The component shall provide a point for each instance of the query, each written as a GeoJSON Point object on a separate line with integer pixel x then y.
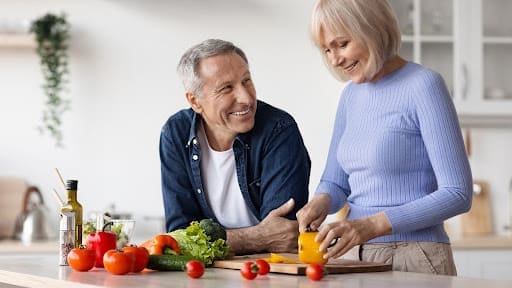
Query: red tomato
{"type": "Point", "coordinates": [141, 257]}
{"type": "Point", "coordinates": [249, 270]}
{"type": "Point", "coordinates": [315, 271]}
{"type": "Point", "coordinates": [81, 259]}
{"type": "Point", "coordinates": [263, 266]}
{"type": "Point", "coordinates": [194, 268]}
{"type": "Point", "coordinates": [118, 262]}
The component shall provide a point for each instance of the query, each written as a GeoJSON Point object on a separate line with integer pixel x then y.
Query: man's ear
{"type": "Point", "coordinates": [193, 102]}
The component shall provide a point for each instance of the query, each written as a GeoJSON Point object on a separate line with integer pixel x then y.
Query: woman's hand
{"type": "Point", "coordinates": [352, 233]}
{"type": "Point", "coordinates": [314, 212]}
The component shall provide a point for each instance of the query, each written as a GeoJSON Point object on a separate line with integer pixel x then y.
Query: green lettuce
{"type": "Point", "coordinates": [194, 242]}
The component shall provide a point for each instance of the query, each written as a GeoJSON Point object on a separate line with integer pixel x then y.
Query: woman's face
{"type": "Point", "coordinates": [345, 55]}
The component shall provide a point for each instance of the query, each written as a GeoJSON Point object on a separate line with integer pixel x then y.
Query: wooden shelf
{"type": "Point", "coordinates": [428, 38]}
{"type": "Point", "coordinates": [17, 41]}
{"type": "Point", "coordinates": [482, 242]}
{"type": "Point", "coordinates": [497, 40]}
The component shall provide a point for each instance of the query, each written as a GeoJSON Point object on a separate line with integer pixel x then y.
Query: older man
{"type": "Point", "coordinates": [230, 157]}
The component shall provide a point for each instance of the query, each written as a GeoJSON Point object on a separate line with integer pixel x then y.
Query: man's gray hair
{"type": "Point", "coordinates": [189, 62]}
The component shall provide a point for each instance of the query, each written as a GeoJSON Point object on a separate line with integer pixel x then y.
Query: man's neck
{"type": "Point", "coordinates": [218, 142]}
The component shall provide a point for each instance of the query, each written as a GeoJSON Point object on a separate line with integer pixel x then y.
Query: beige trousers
{"type": "Point", "coordinates": [421, 257]}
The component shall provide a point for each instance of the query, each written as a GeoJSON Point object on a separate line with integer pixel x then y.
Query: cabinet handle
{"type": "Point", "coordinates": [465, 81]}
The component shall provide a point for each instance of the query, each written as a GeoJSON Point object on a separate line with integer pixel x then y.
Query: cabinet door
{"type": "Point", "coordinates": [483, 62]}
{"type": "Point", "coordinates": [427, 34]}
{"type": "Point", "coordinates": [492, 264]}
{"type": "Point", "coordinates": [469, 42]}
{"type": "Point", "coordinates": [497, 51]}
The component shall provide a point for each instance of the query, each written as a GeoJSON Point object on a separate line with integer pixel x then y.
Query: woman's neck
{"type": "Point", "coordinates": [391, 65]}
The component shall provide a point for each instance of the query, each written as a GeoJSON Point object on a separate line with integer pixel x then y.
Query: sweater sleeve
{"type": "Point", "coordinates": [334, 179]}
{"type": "Point", "coordinates": [442, 137]}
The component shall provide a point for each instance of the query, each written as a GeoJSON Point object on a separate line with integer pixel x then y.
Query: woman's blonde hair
{"type": "Point", "coordinates": [371, 23]}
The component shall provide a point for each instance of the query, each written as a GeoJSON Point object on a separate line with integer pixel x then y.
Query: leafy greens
{"type": "Point", "coordinates": [194, 242]}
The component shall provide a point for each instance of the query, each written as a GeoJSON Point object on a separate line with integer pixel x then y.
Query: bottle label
{"type": "Point", "coordinates": [67, 243]}
{"type": "Point", "coordinates": [66, 236]}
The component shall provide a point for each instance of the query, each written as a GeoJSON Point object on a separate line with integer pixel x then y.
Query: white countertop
{"type": "Point", "coordinates": [42, 270]}
{"type": "Point", "coordinates": [473, 242]}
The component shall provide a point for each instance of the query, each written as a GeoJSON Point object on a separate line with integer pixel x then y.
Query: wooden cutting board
{"type": "Point", "coordinates": [334, 266]}
{"type": "Point", "coordinates": [477, 221]}
{"type": "Point", "coordinates": [12, 191]}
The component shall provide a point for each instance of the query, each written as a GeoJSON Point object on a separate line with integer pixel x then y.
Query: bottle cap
{"type": "Point", "coordinates": [71, 184]}
{"type": "Point", "coordinates": [67, 221]}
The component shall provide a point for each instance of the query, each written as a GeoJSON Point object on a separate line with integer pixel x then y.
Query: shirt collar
{"type": "Point", "coordinates": [242, 138]}
{"type": "Point", "coordinates": [193, 128]}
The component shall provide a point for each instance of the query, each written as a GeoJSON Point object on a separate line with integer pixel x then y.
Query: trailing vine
{"type": "Point", "coordinates": [52, 35]}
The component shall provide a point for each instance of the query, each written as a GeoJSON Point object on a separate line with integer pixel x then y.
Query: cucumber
{"type": "Point", "coordinates": [168, 262]}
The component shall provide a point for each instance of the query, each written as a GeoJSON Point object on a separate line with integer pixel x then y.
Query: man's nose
{"type": "Point", "coordinates": [244, 93]}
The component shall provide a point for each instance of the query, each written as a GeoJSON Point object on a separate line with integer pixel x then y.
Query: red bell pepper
{"type": "Point", "coordinates": [101, 242]}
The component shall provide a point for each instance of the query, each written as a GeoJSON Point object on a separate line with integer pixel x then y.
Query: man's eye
{"type": "Point", "coordinates": [247, 81]}
{"type": "Point", "coordinates": [327, 51]}
{"type": "Point", "coordinates": [226, 89]}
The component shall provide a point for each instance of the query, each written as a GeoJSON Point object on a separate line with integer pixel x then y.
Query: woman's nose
{"type": "Point", "coordinates": [335, 59]}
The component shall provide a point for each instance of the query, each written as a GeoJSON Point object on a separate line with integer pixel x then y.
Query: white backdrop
{"type": "Point", "coordinates": [123, 87]}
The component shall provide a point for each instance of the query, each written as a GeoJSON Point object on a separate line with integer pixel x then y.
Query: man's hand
{"type": "Point", "coordinates": [274, 234]}
{"type": "Point", "coordinates": [280, 233]}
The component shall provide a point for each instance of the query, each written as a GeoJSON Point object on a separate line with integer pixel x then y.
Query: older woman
{"type": "Point", "coordinates": [396, 156]}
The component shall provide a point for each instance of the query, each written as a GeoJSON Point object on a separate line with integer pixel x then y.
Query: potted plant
{"type": "Point", "coordinates": [52, 35]}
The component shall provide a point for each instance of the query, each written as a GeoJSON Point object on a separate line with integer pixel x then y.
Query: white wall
{"type": "Point", "coordinates": [123, 87]}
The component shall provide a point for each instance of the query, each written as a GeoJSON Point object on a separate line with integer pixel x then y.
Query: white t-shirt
{"type": "Point", "coordinates": [220, 185]}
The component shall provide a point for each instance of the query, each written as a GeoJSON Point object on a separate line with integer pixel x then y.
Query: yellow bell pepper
{"type": "Point", "coordinates": [276, 258]}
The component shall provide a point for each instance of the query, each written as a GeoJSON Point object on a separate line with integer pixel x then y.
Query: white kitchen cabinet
{"type": "Point", "coordinates": [495, 264]}
{"type": "Point", "coordinates": [469, 42]}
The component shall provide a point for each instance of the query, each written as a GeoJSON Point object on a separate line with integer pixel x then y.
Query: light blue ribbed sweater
{"type": "Point", "coordinates": [397, 147]}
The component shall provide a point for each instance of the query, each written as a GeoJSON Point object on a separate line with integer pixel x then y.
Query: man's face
{"type": "Point", "coordinates": [228, 100]}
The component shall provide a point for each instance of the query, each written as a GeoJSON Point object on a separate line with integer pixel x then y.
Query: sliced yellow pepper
{"type": "Point", "coordinates": [276, 258]}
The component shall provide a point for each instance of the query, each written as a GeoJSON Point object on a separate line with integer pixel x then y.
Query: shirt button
{"type": "Point", "coordinates": [194, 141]}
{"type": "Point", "coordinates": [195, 157]}
{"type": "Point", "coordinates": [199, 191]}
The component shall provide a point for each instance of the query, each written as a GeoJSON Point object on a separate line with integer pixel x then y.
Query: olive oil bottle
{"type": "Point", "coordinates": [72, 206]}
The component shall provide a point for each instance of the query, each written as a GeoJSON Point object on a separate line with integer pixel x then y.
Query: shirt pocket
{"type": "Point", "coordinates": [254, 187]}
{"type": "Point", "coordinates": [255, 193]}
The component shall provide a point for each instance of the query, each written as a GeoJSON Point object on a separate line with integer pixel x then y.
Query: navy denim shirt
{"type": "Point", "coordinates": [272, 166]}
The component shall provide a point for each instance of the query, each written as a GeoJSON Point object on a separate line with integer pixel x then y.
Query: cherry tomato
{"type": "Point", "coordinates": [315, 271]}
{"type": "Point", "coordinates": [81, 259]}
{"type": "Point", "coordinates": [118, 262]}
{"type": "Point", "coordinates": [263, 266]}
{"type": "Point", "coordinates": [249, 270]}
{"type": "Point", "coordinates": [194, 268]}
{"type": "Point", "coordinates": [141, 257]}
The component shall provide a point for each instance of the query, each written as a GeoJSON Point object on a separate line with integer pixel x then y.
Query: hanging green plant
{"type": "Point", "coordinates": [52, 35]}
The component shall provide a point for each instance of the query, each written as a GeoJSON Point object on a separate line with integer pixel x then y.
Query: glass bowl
{"type": "Point", "coordinates": [123, 228]}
